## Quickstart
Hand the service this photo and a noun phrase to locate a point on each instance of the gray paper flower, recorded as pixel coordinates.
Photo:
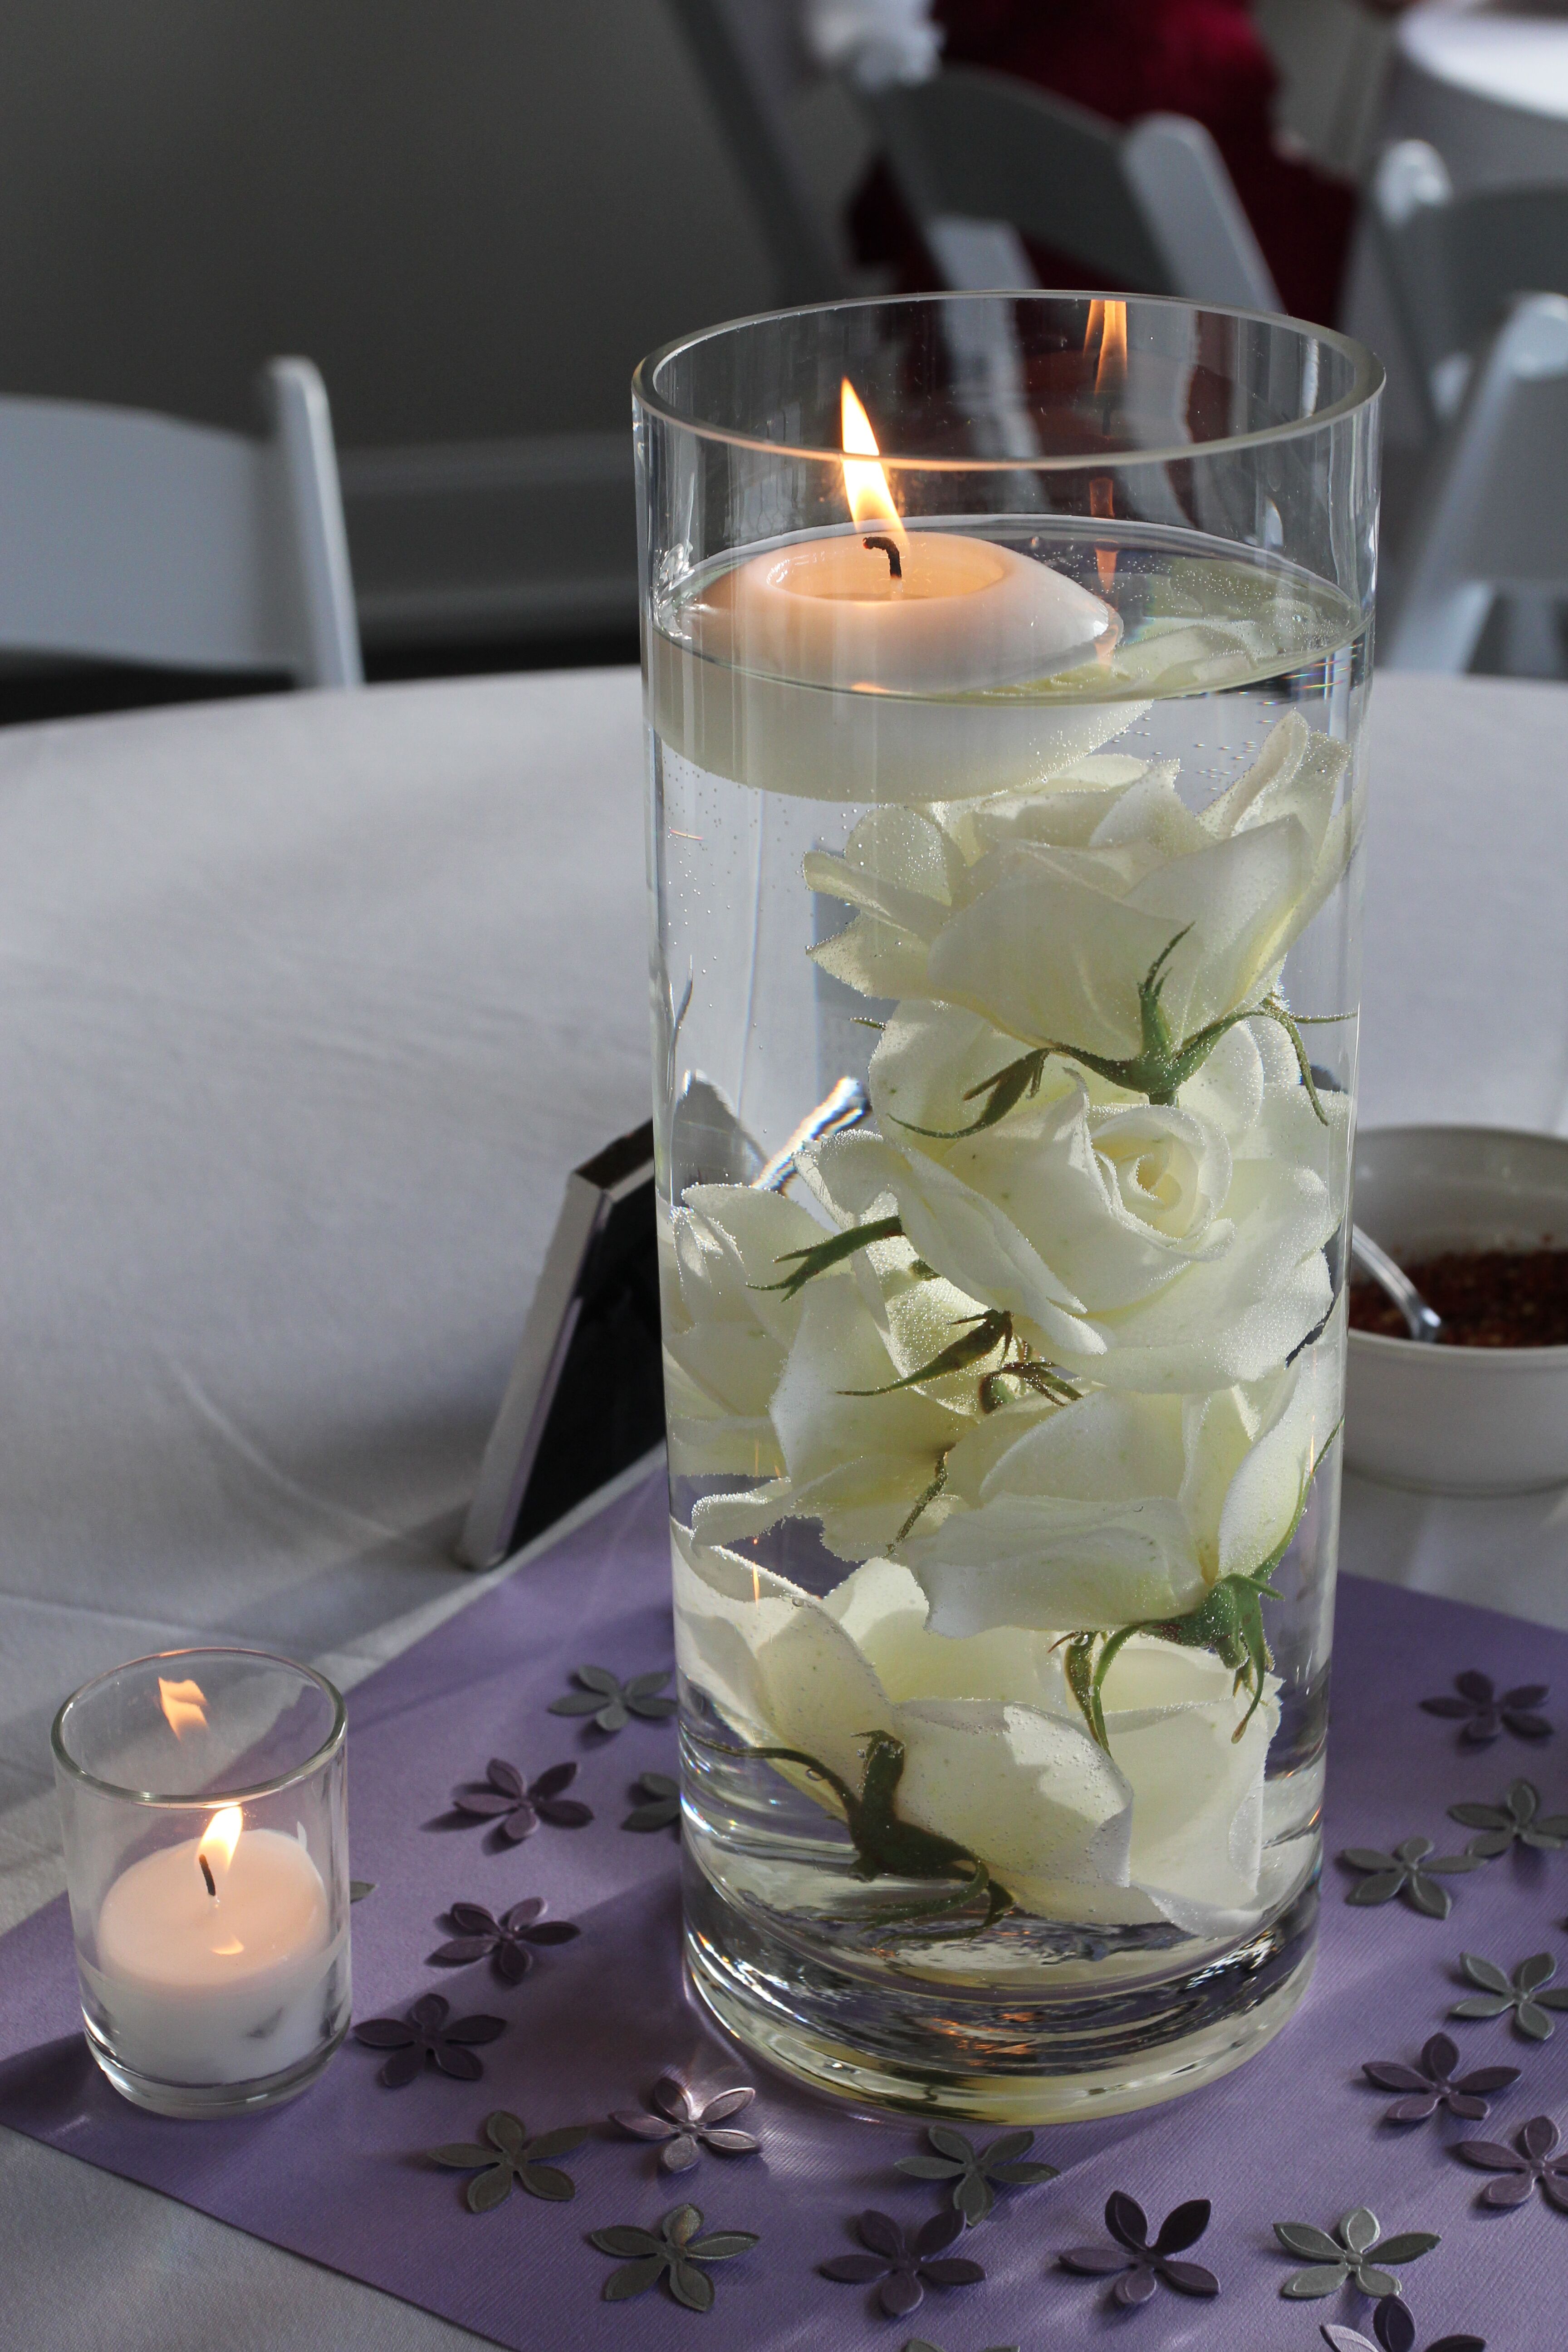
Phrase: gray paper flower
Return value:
(1407, 1872)
(1484, 1712)
(611, 1702)
(674, 2117)
(977, 2173)
(1534, 2162)
(1515, 1819)
(1347, 2256)
(901, 2268)
(672, 2254)
(1524, 1993)
(660, 1807)
(510, 2157)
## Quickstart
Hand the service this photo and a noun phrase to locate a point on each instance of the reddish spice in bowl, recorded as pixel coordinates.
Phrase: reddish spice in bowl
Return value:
(1486, 1299)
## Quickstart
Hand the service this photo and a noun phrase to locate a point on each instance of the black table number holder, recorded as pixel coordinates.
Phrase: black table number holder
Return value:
(586, 1399)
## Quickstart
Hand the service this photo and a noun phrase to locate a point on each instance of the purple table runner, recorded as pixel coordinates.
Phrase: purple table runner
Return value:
(1297, 2134)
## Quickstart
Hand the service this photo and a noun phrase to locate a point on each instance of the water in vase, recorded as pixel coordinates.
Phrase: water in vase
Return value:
(1008, 1046)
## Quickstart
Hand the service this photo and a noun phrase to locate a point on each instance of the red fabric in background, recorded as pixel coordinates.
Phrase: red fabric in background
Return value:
(1124, 58)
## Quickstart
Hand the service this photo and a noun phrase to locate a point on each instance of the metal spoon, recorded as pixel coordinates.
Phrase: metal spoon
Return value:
(1421, 1322)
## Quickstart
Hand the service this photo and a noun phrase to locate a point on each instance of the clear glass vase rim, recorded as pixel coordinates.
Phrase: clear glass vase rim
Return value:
(1368, 382)
(168, 1802)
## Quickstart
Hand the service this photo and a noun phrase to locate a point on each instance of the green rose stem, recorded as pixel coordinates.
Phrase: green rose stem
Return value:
(884, 1845)
(1158, 1071)
(1228, 1621)
(823, 1254)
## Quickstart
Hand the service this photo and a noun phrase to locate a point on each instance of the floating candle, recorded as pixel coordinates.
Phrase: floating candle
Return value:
(839, 645)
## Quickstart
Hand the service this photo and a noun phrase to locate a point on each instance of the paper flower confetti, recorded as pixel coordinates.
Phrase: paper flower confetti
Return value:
(1347, 2256)
(1395, 2332)
(511, 2158)
(1515, 1819)
(675, 2118)
(506, 1940)
(977, 2173)
(660, 1807)
(516, 1807)
(671, 2253)
(1484, 1714)
(613, 1703)
(425, 2033)
(901, 2268)
(1533, 2162)
(1524, 1993)
(1143, 2266)
(360, 1887)
(1407, 1872)
(1434, 2084)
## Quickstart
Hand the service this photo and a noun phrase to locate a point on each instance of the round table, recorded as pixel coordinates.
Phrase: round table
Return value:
(312, 1002)
(1487, 87)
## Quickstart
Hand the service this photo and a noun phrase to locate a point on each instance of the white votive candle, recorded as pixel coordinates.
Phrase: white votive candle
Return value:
(221, 1975)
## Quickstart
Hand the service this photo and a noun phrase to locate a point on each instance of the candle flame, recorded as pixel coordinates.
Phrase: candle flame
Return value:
(866, 485)
(183, 1704)
(220, 1840)
(1108, 330)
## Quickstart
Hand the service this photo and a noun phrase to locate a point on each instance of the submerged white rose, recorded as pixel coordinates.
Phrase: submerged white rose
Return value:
(1144, 1246)
(1124, 1508)
(997, 1758)
(1050, 915)
(806, 1394)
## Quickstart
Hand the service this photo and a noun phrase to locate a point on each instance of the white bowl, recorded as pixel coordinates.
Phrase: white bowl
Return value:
(1459, 1421)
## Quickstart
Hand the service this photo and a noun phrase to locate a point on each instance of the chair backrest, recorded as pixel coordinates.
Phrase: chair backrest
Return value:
(1493, 510)
(137, 538)
(1453, 263)
(740, 49)
(1151, 209)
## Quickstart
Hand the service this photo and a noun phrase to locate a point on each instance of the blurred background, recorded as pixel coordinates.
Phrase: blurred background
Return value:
(475, 217)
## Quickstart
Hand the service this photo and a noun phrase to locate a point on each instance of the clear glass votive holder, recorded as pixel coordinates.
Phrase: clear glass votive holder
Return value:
(204, 1798)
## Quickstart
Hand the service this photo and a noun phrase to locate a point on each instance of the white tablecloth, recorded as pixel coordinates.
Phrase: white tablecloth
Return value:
(1488, 87)
(310, 1004)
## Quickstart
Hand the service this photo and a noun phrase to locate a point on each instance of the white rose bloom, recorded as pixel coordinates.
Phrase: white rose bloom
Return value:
(725, 1336)
(997, 1757)
(1156, 1248)
(1051, 910)
(805, 1393)
(1124, 1509)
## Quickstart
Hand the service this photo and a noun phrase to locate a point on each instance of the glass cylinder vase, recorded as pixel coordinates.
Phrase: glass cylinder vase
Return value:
(1007, 662)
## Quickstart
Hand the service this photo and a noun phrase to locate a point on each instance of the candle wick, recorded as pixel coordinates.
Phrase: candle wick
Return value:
(207, 1874)
(890, 548)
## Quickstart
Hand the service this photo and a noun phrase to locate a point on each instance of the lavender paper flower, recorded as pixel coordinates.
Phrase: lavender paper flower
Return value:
(1395, 2332)
(1434, 2084)
(611, 1702)
(1144, 2265)
(506, 1940)
(901, 2268)
(424, 2034)
(675, 2118)
(672, 2252)
(516, 1806)
(1533, 2162)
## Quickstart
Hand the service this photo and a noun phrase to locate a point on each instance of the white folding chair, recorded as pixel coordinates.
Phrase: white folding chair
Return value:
(1492, 518)
(983, 162)
(1453, 262)
(130, 537)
